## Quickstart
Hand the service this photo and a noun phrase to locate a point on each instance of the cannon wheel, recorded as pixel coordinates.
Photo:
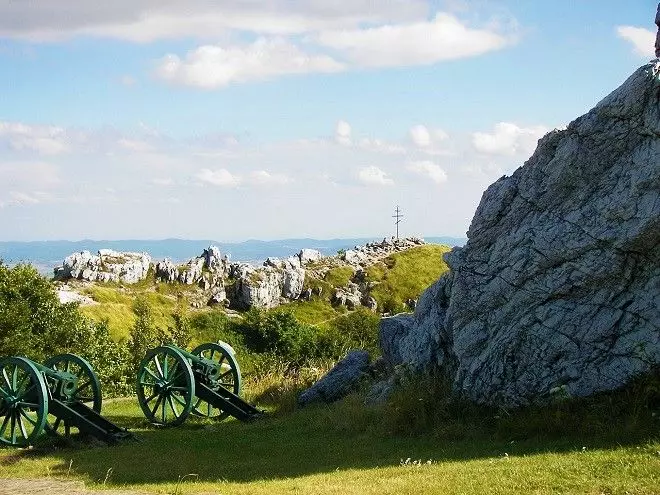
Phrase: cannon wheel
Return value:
(88, 390)
(229, 378)
(165, 386)
(23, 402)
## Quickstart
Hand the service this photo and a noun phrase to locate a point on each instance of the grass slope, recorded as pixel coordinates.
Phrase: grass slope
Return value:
(405, 275)
(325, 450)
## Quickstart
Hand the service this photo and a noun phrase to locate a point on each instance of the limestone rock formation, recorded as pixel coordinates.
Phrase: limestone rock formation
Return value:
(309, 255)
(106, 266)
(559, 282)
(166, 271)
(341, 380)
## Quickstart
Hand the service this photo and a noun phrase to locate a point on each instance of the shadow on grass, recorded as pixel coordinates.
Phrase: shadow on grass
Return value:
(314, 440)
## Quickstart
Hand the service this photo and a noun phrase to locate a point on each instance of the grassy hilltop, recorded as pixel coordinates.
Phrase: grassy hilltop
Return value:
(397, 278)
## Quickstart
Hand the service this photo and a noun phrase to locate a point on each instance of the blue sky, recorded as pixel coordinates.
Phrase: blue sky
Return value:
(287, 118)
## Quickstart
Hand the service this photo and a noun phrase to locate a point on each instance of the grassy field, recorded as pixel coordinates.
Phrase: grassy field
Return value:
(332, 450)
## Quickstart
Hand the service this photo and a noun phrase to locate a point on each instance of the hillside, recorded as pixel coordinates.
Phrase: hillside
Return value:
(391, 281)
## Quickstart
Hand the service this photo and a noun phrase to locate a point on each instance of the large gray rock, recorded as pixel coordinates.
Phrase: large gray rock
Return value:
(258, 288)
(106, 266)
(293, 280)
(340, 381)
(214, 261)
(309, 255)
(166, 271)
(559, 282)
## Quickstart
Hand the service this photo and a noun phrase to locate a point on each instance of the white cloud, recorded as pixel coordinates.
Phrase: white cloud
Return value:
(643, 40)
(343, 133)
(263, 177)
(221, 177)
(420, 136)
(165, 181)
(373, 176)
(380, 146)
(508, 139)
(135, 145)
(428, 169)
(29, 175)
(150, 20)
(419, 43)
(23, 198)
(214, 66)
(45, 140)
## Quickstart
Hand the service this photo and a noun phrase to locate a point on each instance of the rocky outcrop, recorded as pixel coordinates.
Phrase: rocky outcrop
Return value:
(372, 252)
(340, 381)
(106, 266)
(277, 281)
(558, 286)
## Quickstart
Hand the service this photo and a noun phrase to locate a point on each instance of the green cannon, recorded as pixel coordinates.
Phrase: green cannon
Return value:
(62, 393)
(173, 383)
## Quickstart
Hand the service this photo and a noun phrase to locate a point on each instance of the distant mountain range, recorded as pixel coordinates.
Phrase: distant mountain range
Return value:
(45, 255)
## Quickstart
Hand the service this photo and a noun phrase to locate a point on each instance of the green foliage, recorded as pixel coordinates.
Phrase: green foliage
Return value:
(181, 332)
(356, 330)
(214, 325)
(33, 323)
(339, 276)
(144, 334)
(279, 332)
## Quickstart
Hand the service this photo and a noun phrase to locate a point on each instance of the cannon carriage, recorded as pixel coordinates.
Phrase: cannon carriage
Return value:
(173, 383)
(61, 394)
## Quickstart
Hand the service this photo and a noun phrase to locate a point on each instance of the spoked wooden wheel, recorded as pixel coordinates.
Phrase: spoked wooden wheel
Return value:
(165, 386)
(228, 378)
(87, 391)
(23, 402)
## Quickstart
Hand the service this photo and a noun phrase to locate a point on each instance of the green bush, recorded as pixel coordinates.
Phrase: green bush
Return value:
(356, 330)
(279, 332)
(34, 324)
(214, 325)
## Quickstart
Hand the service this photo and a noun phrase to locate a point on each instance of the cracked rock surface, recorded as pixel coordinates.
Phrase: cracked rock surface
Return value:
(559, 282)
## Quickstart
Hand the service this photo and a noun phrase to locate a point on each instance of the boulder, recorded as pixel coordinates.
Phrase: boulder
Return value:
(214, 261)
(191, 272)
(344, 378)
(166, 271)
(292, 283)
(218, 296)
(106, 266)
(558, 284)
(258, 288)
(349, 296)
(309, 255)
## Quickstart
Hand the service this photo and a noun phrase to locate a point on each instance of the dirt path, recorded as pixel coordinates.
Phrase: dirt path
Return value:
(49, 486)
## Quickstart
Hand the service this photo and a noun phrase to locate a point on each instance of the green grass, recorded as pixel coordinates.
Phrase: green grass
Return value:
(115, 304)
(332, 450)
(315, 312)
(339, 276)
(405, 275)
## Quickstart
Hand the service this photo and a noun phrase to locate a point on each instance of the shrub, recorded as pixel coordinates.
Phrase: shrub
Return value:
(211, 326)
(356, 330)
(279, 332)
(144, 334)
(34, 324)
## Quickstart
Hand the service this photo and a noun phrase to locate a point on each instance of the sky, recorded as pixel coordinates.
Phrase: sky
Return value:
(272, 119)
